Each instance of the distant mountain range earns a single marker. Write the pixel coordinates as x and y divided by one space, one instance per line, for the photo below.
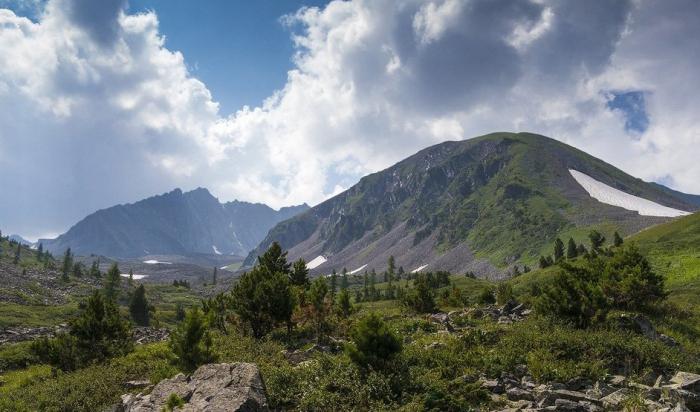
173 223
483 205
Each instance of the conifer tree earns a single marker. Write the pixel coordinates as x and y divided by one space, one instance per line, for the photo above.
191 342
78 269
274 259
617 240
131 277
581 249
67 264
365 288
213 276
139 308
40 252
571 251
334 285
344 303
391 268
344 283
373 342
112 283
372 283
317 297
18 254
597 240
558 250
300 274
95 269
401 273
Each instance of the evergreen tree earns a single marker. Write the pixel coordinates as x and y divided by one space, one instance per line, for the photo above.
67 264
571 251
317 298
139 308
262 298
131 277
100 331
334 285
180 312
581 249
558 250
401 273
391 264
421 298
544 262
274 259
40 252
78 269
213 276
24 272
344 303
112 283
365 288
617 240
344 280
18 254
373 343
300 274
95 269
191 342
597 240
372 283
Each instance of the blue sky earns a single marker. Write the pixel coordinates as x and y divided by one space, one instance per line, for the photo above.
111 101
240 49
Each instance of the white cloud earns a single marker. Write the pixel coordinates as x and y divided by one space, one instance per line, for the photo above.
95 110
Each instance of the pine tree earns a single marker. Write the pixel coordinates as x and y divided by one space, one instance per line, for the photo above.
78 269
18 254
334 285
112 283
391 264
344 280
372 283
373 342
131 277
40 252
344 303
617 240
274 259
365 288
300 274
581 249
67 264
191 342
95 269
558 250
571 251
139 308
317 297
401 273
597 240
213 277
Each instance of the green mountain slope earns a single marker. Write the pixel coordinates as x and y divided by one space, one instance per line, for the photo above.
481 204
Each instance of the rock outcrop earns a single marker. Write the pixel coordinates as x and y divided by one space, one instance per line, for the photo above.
213 388
680 393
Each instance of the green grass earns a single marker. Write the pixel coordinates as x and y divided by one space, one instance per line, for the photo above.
12 314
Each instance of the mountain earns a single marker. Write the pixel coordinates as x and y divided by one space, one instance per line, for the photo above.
20 239
173 223
483 205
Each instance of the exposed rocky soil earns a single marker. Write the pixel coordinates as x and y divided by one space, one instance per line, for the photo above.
13 335
214 387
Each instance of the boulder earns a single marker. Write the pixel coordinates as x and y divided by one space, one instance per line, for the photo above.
213 388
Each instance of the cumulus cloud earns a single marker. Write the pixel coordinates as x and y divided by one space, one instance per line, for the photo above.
95 110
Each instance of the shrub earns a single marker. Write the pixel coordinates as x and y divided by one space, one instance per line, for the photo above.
191 342
373 343
421 298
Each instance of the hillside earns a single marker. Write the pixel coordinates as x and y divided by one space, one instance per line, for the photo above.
173 223
481 204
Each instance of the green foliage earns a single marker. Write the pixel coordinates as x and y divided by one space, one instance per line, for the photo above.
300 274
597 240
486 297
617 240
421 297
174 401
274 259
317 298
373 343
191 343
112 283
67 264
571 249
216 310
504 293
139 308
344 303
96 335
558 250
583 293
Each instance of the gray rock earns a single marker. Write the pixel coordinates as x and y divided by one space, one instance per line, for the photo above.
567 405
687 381
213 388
517 394
616 398
492 386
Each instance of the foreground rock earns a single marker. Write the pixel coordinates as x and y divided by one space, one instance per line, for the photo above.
213 388
680 393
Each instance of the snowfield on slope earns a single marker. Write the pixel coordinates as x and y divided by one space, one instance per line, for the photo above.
418 269
136 277
318 261
611 196
156 262
358 269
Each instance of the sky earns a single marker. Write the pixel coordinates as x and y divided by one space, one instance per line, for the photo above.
285 102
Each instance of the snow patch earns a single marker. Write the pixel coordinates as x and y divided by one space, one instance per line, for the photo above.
318 261
215 250
357 270
611 196
418 269
136 277
156 262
